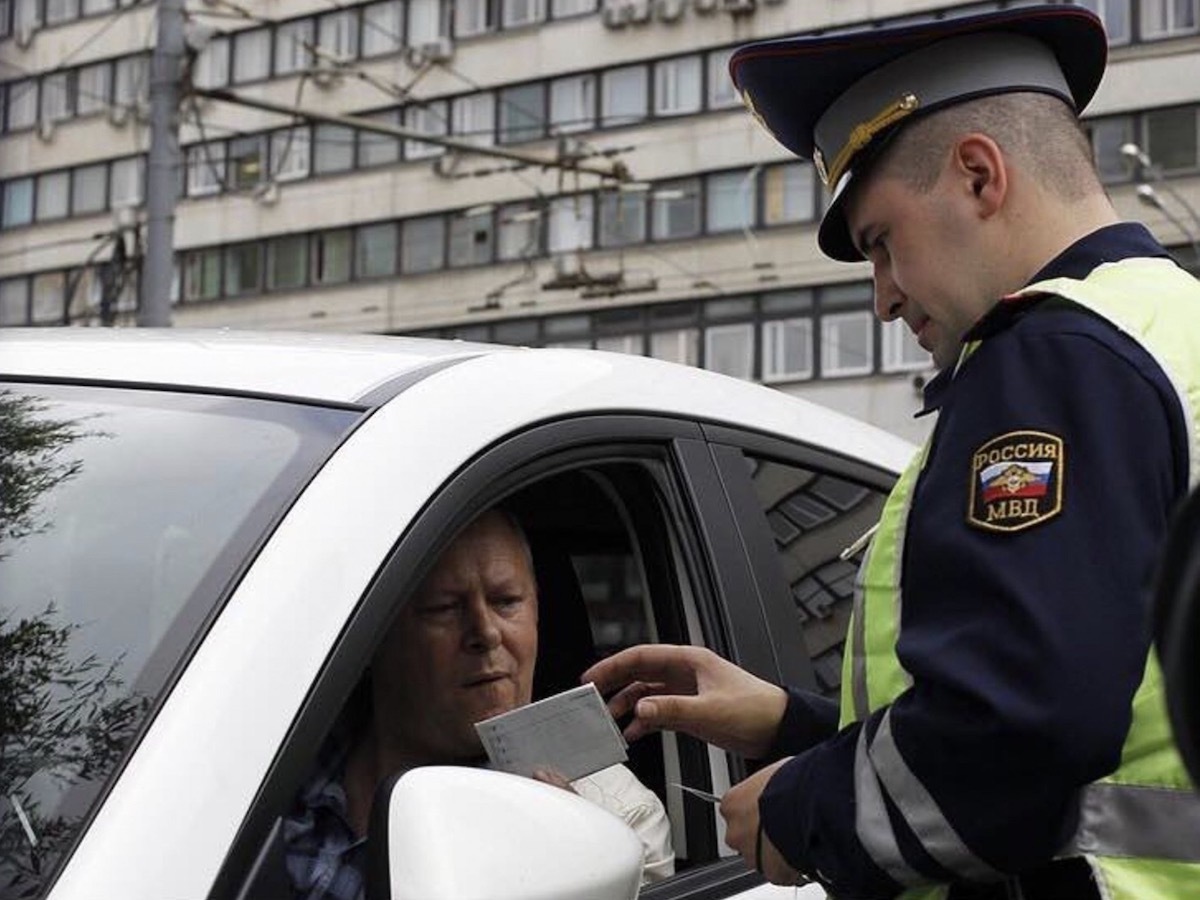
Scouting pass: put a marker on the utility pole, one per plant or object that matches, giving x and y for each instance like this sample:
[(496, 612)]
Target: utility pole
[(162, 175)]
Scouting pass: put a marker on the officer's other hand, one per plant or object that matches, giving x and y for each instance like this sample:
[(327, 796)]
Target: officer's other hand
[(739, 808), (691, 689)]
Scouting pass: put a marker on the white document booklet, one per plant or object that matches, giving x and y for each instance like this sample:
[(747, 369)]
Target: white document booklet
[(571, 733)]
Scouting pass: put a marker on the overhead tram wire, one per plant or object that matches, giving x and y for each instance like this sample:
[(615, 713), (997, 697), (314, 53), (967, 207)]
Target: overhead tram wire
[(102, 30), (392, 89), (616, 170)]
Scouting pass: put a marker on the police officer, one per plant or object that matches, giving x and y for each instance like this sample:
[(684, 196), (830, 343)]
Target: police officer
[(1002, 730)]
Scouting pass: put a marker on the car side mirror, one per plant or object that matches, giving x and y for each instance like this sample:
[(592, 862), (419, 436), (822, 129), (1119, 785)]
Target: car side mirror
[(451, 833), (1177, 629)]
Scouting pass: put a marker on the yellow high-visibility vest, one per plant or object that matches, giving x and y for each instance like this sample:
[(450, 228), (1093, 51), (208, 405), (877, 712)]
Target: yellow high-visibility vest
[(1139, 827)]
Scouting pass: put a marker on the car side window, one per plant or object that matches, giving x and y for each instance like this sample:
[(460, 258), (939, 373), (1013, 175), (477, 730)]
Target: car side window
[(817, 521)]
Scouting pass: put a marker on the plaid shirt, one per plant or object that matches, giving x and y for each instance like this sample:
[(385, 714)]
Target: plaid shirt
[(325, 861)]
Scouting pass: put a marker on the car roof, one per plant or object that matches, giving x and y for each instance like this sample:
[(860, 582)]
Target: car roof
[(329, 368), (368, 370)]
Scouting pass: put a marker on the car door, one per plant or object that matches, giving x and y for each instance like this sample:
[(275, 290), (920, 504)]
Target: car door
[(634, 542)]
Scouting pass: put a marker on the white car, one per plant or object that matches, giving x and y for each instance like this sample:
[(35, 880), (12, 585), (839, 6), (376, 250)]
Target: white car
[(203, 534)]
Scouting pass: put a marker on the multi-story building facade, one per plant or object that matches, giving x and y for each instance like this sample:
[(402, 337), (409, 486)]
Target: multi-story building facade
[(698, 247)]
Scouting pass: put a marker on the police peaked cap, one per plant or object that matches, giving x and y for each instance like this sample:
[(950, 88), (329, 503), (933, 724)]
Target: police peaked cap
[(835, 99)]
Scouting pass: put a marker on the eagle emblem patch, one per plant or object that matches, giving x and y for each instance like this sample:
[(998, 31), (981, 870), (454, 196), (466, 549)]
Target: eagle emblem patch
[(1016, 481)]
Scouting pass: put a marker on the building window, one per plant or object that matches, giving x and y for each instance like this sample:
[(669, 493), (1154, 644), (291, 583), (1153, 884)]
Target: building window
[(570, 224), (27, 16), (291, 153), (425, 22), (337, 34), (211, 68), (521, 333), (622, 218), (205, 169), (846, 344), (623, 99), (677, 86), (729, 201), (245, 162), (92, 87), (243, 269), (787, 350), (472, 17), (901, 352), (1171, 138), (632, 344), (48, 296), (789, 193), (572, 104), (382, 28), (675, 209), (423, 244), (522, 113), (520, 231), (61, 11), (729, 349), (14, 301), (56, 97), (334, 150), (376, 149), (1167, 18), (731, 309), (522, 12), (287, 262), (292, 42), (89, 189), (1115, 16), (721, 92), (471, 238), (22, 104), (131, 82), (474, 117), (375, 250), (561, 9), (568, 331), (127, 181), (679, 345), (53, 195), (202, 275), (427, 119), (332, 253), (251, 55), (1107, 136), (18, 202)]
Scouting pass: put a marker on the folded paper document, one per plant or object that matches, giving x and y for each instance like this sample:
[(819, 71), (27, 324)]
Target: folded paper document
[(571, 733)]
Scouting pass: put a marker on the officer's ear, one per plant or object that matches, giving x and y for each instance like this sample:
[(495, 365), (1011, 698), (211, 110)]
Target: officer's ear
[(980, 172)]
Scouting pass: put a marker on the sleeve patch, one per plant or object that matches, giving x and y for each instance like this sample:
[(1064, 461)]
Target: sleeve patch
[(1016, 481)]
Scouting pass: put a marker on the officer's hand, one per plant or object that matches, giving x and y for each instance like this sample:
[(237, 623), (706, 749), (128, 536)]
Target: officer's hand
[(691, 689), (554, 777), (739, 807)]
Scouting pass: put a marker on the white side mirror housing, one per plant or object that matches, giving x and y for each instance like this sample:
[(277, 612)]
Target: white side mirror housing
[(451, 833)]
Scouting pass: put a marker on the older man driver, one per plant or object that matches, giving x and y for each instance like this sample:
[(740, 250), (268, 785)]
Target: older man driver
[(461, 651)]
